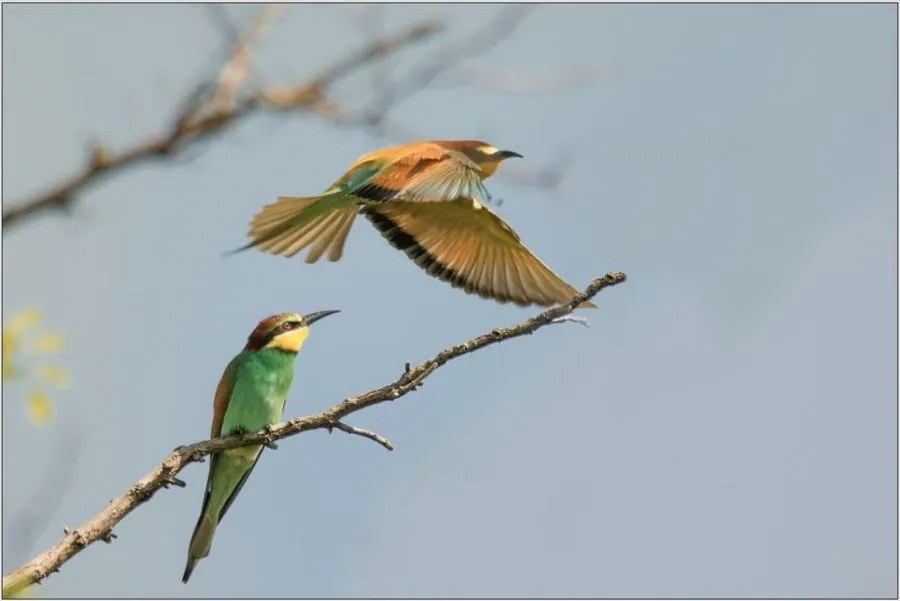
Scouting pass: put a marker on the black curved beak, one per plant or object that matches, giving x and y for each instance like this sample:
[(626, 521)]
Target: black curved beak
[(508, 154), (310, 319)]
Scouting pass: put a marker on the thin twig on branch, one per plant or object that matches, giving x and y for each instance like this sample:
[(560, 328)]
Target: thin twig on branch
[(100, 527), (502, 25), (364, 433)]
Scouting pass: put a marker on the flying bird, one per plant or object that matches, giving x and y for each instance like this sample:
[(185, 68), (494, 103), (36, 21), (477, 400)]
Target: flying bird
[(427, 199), (249, 397)]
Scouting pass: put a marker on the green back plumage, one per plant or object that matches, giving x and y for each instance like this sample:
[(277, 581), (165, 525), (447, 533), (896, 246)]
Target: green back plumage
[(359, 176)]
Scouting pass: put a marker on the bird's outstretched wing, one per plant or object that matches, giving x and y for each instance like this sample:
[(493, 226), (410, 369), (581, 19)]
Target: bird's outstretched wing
[(431, 173), (464, 243)]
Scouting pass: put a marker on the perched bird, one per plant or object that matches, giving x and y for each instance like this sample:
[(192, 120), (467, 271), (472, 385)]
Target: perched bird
[(249, 397), (427, 200)]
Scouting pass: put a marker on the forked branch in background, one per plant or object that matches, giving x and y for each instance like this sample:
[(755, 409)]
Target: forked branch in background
[(214, 105), (226, 97)]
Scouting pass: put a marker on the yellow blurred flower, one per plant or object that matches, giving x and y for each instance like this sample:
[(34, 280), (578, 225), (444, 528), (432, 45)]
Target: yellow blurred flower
[(56, 375), (23, 319), (10, 346), (17, 345), (39, 410), (48, 343)]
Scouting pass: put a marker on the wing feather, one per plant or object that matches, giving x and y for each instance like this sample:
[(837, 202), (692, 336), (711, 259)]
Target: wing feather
[(323, 236), (514, 282), (222, 397), (466, 244), (529, 282), (336, 249)]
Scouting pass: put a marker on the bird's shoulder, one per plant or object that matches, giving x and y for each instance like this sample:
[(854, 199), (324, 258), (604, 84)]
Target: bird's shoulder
[(424, 171), (223, 394), (410, 155)]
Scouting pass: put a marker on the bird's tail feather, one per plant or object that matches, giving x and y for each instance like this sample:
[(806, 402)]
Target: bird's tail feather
[(201, 542), (320, 223)]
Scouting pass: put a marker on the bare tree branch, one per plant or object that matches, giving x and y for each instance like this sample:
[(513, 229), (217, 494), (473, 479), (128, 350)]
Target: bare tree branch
[(528, 81), (101, 525), (195, 120), (364, 433), (237, 68), (215, 104)]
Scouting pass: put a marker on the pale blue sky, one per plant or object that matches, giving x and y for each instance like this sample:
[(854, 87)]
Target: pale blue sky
[(727, 427)]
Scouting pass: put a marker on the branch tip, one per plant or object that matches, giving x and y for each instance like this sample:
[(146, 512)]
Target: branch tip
[(364, 433), (572, 319)]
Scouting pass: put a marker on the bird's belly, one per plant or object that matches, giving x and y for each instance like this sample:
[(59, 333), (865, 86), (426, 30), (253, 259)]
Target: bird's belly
[(255, 416)]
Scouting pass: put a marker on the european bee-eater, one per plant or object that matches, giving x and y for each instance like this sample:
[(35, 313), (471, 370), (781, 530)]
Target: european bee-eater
[(426, 199), (249, 397)]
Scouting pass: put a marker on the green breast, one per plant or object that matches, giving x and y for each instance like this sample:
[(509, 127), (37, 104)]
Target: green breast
[(262, 380)]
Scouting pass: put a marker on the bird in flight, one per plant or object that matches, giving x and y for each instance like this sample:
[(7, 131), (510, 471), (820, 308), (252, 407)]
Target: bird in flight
[(250, 396), (427, 199)]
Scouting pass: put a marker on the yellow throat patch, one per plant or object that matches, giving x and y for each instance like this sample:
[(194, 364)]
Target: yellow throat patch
[(290, 341), (488, 168)]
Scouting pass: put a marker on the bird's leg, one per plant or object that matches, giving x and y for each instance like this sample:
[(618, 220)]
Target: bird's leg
[(108, 537), (491, 200), (175, 481), (240, 431), (171, 479), (269, 442), (407, 370)]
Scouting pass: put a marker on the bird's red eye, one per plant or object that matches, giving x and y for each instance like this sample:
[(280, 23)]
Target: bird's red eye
[(287, 325)]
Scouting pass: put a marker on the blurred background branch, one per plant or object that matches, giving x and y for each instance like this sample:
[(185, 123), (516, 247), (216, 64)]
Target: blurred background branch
[(213, 106), (231, 94)]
